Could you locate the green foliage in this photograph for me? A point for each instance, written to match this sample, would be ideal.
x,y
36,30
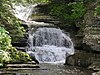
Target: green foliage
x,y
71,11
78,10
5,40
40,1
24,56
8,20
25,2
4,57
97,10
9,53
18,56
13,26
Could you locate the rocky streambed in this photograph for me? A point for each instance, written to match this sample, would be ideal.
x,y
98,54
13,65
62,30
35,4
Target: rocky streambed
x,y
50,69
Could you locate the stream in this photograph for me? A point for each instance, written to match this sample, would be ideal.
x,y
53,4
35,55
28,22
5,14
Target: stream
x,y
51,69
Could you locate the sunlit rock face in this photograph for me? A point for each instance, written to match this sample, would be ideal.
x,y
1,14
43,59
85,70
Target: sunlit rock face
x,y
50,45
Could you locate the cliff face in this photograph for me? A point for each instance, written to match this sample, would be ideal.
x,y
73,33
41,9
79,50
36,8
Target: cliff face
x,y
91,40
92,37
87,37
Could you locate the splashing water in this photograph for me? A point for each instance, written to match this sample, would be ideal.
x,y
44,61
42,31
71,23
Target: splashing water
x,y
50,45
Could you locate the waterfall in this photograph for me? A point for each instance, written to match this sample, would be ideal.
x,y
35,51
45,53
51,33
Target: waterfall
x,y
24,12
50,45
47,45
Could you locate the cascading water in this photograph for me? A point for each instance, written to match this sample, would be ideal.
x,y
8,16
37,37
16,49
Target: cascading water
x,y
23,12
48,45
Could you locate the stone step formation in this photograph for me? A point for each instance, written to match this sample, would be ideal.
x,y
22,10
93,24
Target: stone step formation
x,y
21,44
92,37
21,66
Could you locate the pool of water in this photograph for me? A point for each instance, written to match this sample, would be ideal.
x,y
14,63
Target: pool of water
x,y
51,69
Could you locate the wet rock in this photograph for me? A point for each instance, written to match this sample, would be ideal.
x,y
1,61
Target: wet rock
x,y
22,66
95,66
96,73
81,59
91,39
32,55
19,44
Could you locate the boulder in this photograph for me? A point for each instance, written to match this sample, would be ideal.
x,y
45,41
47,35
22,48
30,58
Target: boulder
x,y
32,55
91,42
81,59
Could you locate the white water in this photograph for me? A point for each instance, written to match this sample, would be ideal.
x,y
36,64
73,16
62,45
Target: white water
x,y
24,13
51,54
48,45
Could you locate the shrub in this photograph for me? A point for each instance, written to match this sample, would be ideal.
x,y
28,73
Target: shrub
x,y
4,57
5,40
